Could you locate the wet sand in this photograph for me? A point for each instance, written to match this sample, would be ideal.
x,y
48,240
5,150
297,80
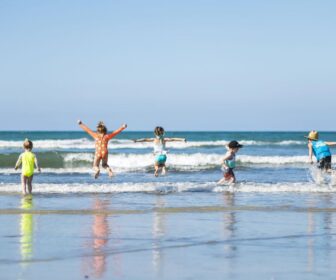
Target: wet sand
x,y
232,236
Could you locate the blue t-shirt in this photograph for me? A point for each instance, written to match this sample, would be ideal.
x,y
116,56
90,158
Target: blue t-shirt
x,y
320,149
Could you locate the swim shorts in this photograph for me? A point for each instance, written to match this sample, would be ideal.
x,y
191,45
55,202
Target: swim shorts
x,y
228,174
161,160
324,163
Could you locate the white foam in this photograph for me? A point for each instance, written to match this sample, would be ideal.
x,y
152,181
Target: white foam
x,y
183,162
197,159
67,170
161,187
84,143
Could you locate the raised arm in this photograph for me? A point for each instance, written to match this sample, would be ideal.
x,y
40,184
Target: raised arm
x,y
143,140
116,132
175,140
18,163
88,130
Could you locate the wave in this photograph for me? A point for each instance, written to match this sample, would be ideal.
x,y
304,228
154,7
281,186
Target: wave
x,y
142,161
166,188
123,161
84,143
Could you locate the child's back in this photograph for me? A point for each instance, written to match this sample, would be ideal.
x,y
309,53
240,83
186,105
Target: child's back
x,y
28,163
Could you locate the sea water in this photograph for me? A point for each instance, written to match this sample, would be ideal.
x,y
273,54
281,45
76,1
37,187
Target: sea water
x,y
277,222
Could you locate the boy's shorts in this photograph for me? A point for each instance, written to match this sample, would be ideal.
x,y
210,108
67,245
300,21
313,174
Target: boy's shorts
x,y
228,174
324,163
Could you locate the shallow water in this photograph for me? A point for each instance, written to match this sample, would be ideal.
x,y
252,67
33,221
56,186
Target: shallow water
x,y
180,236
277,222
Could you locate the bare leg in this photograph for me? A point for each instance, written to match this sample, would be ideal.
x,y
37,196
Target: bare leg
x,y
107,167
227,180
164,171
23,182
96,169
110,172
156,168
221,181
29,183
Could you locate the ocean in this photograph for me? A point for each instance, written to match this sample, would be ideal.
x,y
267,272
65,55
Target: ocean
x,y
277,222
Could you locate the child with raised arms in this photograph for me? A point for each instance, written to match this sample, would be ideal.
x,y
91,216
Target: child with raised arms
x,y
229,163
160,151
28,161
102,138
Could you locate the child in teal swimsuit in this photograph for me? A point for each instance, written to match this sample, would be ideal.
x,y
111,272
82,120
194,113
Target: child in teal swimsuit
x,y
160,151
229,163
28,161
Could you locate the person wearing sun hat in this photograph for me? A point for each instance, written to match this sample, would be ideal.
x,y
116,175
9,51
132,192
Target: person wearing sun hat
x,y
320,149
229,163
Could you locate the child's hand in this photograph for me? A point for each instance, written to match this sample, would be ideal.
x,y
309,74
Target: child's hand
x,y
124,125
225,168
79,122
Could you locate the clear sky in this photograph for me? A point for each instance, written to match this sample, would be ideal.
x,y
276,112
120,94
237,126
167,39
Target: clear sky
x,y
185,65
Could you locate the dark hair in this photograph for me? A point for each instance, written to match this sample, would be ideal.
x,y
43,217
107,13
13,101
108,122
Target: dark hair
x,y
101,128
27,144
234,145
159,131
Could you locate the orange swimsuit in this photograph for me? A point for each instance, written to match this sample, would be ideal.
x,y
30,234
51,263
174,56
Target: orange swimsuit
x,y
101,141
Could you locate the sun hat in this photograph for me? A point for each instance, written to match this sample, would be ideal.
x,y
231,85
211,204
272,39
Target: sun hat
x,y
234,144
313,135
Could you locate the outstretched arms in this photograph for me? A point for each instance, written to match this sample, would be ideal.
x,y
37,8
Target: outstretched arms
x,y
143,140
165,139
175,140
331,143
86,129
116,132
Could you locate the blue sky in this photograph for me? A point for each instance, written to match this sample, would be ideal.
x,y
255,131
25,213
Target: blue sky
x,y
185,65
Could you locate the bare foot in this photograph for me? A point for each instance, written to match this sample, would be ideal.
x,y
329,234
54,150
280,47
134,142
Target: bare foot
x,y
156,173
96,175
110,173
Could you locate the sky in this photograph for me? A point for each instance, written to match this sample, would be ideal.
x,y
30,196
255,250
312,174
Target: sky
x,y
182,64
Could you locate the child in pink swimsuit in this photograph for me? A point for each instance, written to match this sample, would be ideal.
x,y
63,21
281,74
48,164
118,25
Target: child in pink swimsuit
x,y
102,139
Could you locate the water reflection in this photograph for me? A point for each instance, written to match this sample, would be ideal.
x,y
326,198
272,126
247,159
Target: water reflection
x,y
158,232
228,231
229,220
96,264
310,241
26,229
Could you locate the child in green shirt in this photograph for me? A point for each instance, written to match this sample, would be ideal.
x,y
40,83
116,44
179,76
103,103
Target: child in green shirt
x,y
28,161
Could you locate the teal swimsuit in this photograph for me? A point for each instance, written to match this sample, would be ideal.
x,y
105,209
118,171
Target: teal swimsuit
x,y
160,152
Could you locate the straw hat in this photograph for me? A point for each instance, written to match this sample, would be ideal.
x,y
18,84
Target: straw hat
x,y
313,135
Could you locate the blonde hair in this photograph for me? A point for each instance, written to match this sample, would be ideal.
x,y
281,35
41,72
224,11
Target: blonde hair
x,y
27,144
